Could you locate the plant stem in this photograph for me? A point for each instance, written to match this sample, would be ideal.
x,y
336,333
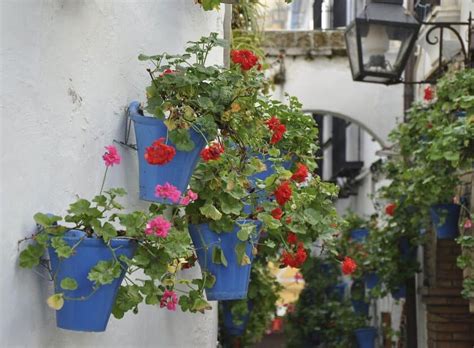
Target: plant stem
x,y
103,180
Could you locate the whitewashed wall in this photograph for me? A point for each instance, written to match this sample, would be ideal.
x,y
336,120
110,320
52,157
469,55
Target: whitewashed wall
x,y
325,85
68,69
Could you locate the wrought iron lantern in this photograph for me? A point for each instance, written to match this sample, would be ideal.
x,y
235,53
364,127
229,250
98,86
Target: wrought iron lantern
x,y
379,41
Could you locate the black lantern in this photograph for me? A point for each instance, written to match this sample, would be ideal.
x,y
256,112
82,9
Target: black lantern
x,y
379,41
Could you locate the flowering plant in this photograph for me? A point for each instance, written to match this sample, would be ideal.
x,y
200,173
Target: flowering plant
x,y
187,93
163,248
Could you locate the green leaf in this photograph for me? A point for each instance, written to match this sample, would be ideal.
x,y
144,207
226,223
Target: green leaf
x,y
210,211
107,231
56,301
312,216
242,257
200,305
104,272
31,256
181,139
46,220
69,284
61,247
218,256
269,221
230,205
245,231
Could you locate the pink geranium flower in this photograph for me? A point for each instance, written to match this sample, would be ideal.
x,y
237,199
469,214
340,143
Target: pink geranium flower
x,y
190,197
112,156
159,227
468,224
168,191
169,300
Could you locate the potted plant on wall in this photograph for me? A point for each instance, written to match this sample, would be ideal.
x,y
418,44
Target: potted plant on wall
x,y
94,246
189,102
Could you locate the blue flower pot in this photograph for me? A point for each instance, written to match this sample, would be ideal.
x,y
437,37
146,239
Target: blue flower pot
x,y
338,290
91,314
366,337
400,292
407,251
232,280
177,172
445,220
230,326
371,280
360,234
360,307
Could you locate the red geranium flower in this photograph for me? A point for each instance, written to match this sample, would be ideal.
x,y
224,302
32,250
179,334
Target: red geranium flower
x,y
245,58
277,128
428,93
301,173
159,153
277,213
288,220
167,71
291,238
348,266
283,193
294,259
390,209
212,152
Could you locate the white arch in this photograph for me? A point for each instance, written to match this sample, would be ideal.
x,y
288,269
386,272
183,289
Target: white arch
x,y
326,84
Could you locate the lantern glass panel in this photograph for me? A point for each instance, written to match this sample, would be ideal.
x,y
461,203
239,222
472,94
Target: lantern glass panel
x,y
353,49
384,47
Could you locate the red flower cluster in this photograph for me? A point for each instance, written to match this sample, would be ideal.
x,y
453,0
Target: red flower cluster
x,y
291,238
159,153
212,152
294,258
348,266
428,94
277,128
277,213
283,193
301,173
390,209
245,58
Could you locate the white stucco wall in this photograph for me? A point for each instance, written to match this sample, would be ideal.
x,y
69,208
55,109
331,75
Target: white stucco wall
x,y
325,85
68,69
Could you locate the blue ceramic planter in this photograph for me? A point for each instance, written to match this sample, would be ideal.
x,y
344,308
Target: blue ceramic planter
x,y
366,337
371,280
360,307
445,220
360,234
400,292
338,290
407,251
91,314
231,281
231,327
177,172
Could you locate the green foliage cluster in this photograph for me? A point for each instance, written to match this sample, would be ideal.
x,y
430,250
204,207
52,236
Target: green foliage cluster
x,y
321,316
434,146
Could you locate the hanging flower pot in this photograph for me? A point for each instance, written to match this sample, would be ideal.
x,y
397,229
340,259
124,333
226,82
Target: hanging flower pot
x,y
366,337
177,170
338,290
399,292
93,311
359,234
226,256
235,326
407,251
445,220
360,307
371,280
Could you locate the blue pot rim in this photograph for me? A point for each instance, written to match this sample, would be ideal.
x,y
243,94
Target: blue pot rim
x,y
146,119
366,329
74,236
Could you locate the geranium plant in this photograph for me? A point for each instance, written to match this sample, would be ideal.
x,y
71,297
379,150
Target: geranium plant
x,y
162,244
